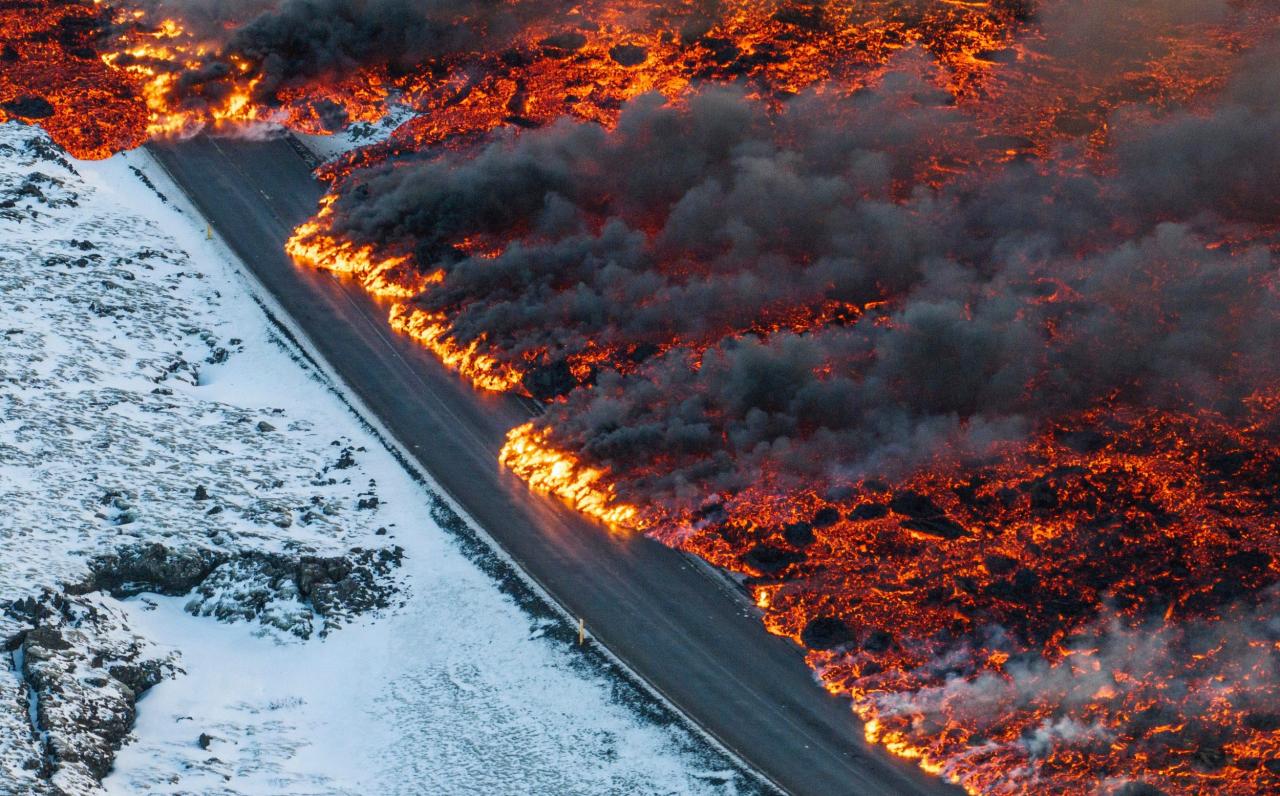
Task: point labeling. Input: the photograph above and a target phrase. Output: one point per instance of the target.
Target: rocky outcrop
(82, 671)
(297, 593)
(149, 567)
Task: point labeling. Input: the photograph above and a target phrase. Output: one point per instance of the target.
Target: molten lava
(559, 473)
(951, 328)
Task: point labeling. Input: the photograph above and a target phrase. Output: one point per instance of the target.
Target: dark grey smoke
(290, 43)
(680, 224)
(1225, 164)
(693, 226)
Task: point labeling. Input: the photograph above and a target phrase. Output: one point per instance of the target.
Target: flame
(528, 455)
(484, 372)
(390, 277)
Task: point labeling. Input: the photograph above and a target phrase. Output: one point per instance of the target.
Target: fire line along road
(668, 618)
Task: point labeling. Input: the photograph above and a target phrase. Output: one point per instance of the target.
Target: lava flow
(953, 329)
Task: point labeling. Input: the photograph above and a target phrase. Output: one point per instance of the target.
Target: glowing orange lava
(1075, 608)
(558, 473)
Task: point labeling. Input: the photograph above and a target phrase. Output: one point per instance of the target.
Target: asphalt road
(670, 620)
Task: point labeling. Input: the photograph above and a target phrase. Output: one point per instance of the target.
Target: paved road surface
(668, 618)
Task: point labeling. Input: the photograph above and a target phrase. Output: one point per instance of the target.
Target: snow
(360, 134)
(137, 364)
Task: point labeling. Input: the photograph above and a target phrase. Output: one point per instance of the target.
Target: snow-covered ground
(346, 632)
(360, 134)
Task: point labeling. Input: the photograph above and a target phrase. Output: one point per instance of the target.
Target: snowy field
(323, 633)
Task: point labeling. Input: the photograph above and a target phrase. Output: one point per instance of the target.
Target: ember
(952, 327)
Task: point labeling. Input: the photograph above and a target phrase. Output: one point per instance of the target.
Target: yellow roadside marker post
(582, 631)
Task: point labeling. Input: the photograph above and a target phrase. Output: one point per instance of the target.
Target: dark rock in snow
(84, 670)
(150, 567)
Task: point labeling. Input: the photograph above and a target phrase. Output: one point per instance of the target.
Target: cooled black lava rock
(798, 534)
(1228, 463)
(940, 527)
(1262, 722)
(333, 117)
(629, 54)
(1043, 494)
(29, 107)
(1086, 441)
(1074, 124)
(1138, 789)
(825, 517)
(999, 565)
(826, 633)
(925, 516)
(9, 54)
(915, 505)
(562, 45)
(643, 351)
(1209, 758)
(804, 16)
(770, 560)
(868, 511)
(878, 641)
(549, 382)
(695, 29)
(1025, 582)
(711, 513)
(1250, 562)
(997, 142)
